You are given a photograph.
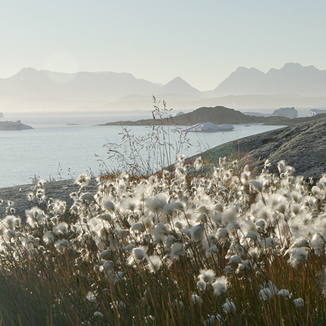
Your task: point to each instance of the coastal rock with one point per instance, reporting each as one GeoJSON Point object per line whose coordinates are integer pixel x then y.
{"type": "Point", "coordinates": [13, 125]}
{"type": "Point", "coordinates": [302, 146]}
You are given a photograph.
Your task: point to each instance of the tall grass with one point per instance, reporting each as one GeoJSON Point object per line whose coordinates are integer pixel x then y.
{"type": "Point", "coordinates": [181, 248]}
{"type": "Point", "coordinates": [149, 153]}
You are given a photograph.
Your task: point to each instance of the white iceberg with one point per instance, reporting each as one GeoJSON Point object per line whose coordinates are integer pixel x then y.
{"type": "Point", "coordinates": [209, 127]}
{"type": "Point", "coordinates": [314, 112]}
{"type": "Point", "coordinates": [291, 113]}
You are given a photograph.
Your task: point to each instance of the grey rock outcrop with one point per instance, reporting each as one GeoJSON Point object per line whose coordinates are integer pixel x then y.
{"type": "Point", "coordinates": [302, 146]}
{"type": "Point", "coordinates": [13, 125]}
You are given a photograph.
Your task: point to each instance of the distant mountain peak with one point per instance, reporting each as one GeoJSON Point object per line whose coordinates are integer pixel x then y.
{"type": "Point", "coordinates": [244, 70]}
{"type": "Point", "coordinates": [178, 81]}
{"type": "Point", "coordinates": [291, 66]}
{"type": "Point", "coordinates": [291, 79]}
{"type": "Point", "coordinates": [26, 71]}
{"type": "Point", "coordinates": [178, 86]}
{"type": "Point", "coordinates": [178, 78]}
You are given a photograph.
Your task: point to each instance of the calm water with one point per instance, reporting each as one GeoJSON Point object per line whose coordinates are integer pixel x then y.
{"type": "Point", "coordinates": [57, 150]}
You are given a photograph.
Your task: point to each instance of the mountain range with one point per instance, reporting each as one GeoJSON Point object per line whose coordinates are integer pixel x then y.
{"type": "Point", "coordinates": [292, 85]}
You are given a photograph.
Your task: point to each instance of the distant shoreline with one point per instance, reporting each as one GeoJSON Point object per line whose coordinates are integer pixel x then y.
{"type": "Point", "coordinates": [217, 115]}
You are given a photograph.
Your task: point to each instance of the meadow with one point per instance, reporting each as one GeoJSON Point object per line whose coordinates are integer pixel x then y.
{"type": "Point", "coordinates": [173, 248]}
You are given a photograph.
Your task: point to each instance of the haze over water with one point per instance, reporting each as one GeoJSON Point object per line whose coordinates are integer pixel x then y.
{"type": "Point", "coordinates": [55, 150]}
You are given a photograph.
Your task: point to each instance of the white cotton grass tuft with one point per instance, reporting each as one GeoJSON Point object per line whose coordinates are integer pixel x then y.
{"type": "Point", "coordinates": [98, 314]}
{"type": "Point", "coordinates": [261, 224]}
{"type": "Point", "coordinates": [35, 216]}
{"type": "Point", "coordinates": [87, 196]}
{"type": "Point", "coordinates": [83, 179]}
{"type": "Point", "coordinates": [211, 250]}
{"type": "Point", "coordinates": [176, 250]}
{"type": "Point", "coordinates": [253, 235]}
{"type": "Point", "coordinates": [230, 215]}
{"type": "Point", "coordinates": [154, 263]}
{"type": "Point", "coordinates": [105, 254]}
{"type": "Point", "coordinates": [105, 217]}
{"type": "Point", "coordinates": [137, 255]}
{"type": "Point", "coordinates": [170, 240]}
{"type": "Point", "coordinates": [248, 225]}
{"type": "Point", "coordinates": [178, 305]}
{"type": "Point", "coordinates": [220, 286]}
{"type": "Point", "coordinates": [61, 245]}
{"type": "Point", "coordinates": [10, 222]}
{"type": "Point", "coordinates": [207, 275]}
{"type": "Point", "coordinates": [298, 256]}
{"type": "Point", "coordinates": [156, 203]}
{"type": "Point", "coordinates": [108, 205]}
{"type": "Point", "coordinates": [61, 229]}
{"type": "Point", "coordinates": [160, 232]}
{"type": "Point", "coordinates": [285, 293]}
{"type": "Point", "coordinates": [229, 307]}
{"type": "Point", "coordinates": [138, 227]}
{"type": "Point", "coordinates": [214, 320]}
{"type": "Point", "coordinates": [90, 296]}
{"type": "Point", "coordinates": [266, 294]}
{"type": "Point", "coordinates": [196, 299]}
{"type": "Point", "coordinates": [130, 204]}
{"type": "Point", "coordinates": [268, 243]}
{"type": "Point", "coordinates": [168, 209]}
{"type": "Point", "coordinates": [197, 232]}
{"type": "Point", "coordinates": [299, 302]}
{"type": "Point", "coordinates": [299, 243]}
{"type": "Point", "coordinates": [201, 285]}
{"type": "Point", "coordinates": [48, 237]}
{"type": "Point", "coordinates": [318, 241]}
{"type": "Point", "coordinates": [257, 185]}
{"type": "Point", "coordinates": [235, 259]}
{"type": "Point", "coordinates": [222, 234]}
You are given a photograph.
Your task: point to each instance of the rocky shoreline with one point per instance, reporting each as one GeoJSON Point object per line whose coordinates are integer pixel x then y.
{"type": "Point", "coordinates": [302, 146]}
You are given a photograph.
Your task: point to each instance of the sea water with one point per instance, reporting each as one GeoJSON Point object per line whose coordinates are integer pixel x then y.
{"type": "Point", "coordinates": [62, 146]}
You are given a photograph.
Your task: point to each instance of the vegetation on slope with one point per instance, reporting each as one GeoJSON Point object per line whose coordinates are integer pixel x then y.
{"type": "Point", "coordinates": [184, 249]}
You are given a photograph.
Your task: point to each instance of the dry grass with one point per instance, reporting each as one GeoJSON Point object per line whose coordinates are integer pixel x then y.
{"type": "Point", "coordinates": [71, 266]}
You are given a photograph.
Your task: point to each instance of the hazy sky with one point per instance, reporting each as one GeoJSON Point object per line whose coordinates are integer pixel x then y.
{"type": "Point", "coordinates": [201, 41]}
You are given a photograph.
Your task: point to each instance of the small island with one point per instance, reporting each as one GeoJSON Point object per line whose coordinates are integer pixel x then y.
{"type": "Point", "coordinates": [218, 115]}
{"type": "Point", "coordinates": [13, 125]}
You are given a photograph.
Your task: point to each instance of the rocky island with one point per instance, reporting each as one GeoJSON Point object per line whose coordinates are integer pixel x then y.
{"type": "Point", "coordinates": [13, 125]}
{"type": "Point", "coordinates": [218, 115]}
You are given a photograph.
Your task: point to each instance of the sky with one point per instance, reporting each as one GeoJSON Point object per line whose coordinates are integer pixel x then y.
{"type": "Point", "coordinates": [201, 41]}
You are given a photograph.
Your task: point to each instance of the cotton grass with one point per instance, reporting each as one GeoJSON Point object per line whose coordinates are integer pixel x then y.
{"type": "Point", "coordinates": [175, 248]}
